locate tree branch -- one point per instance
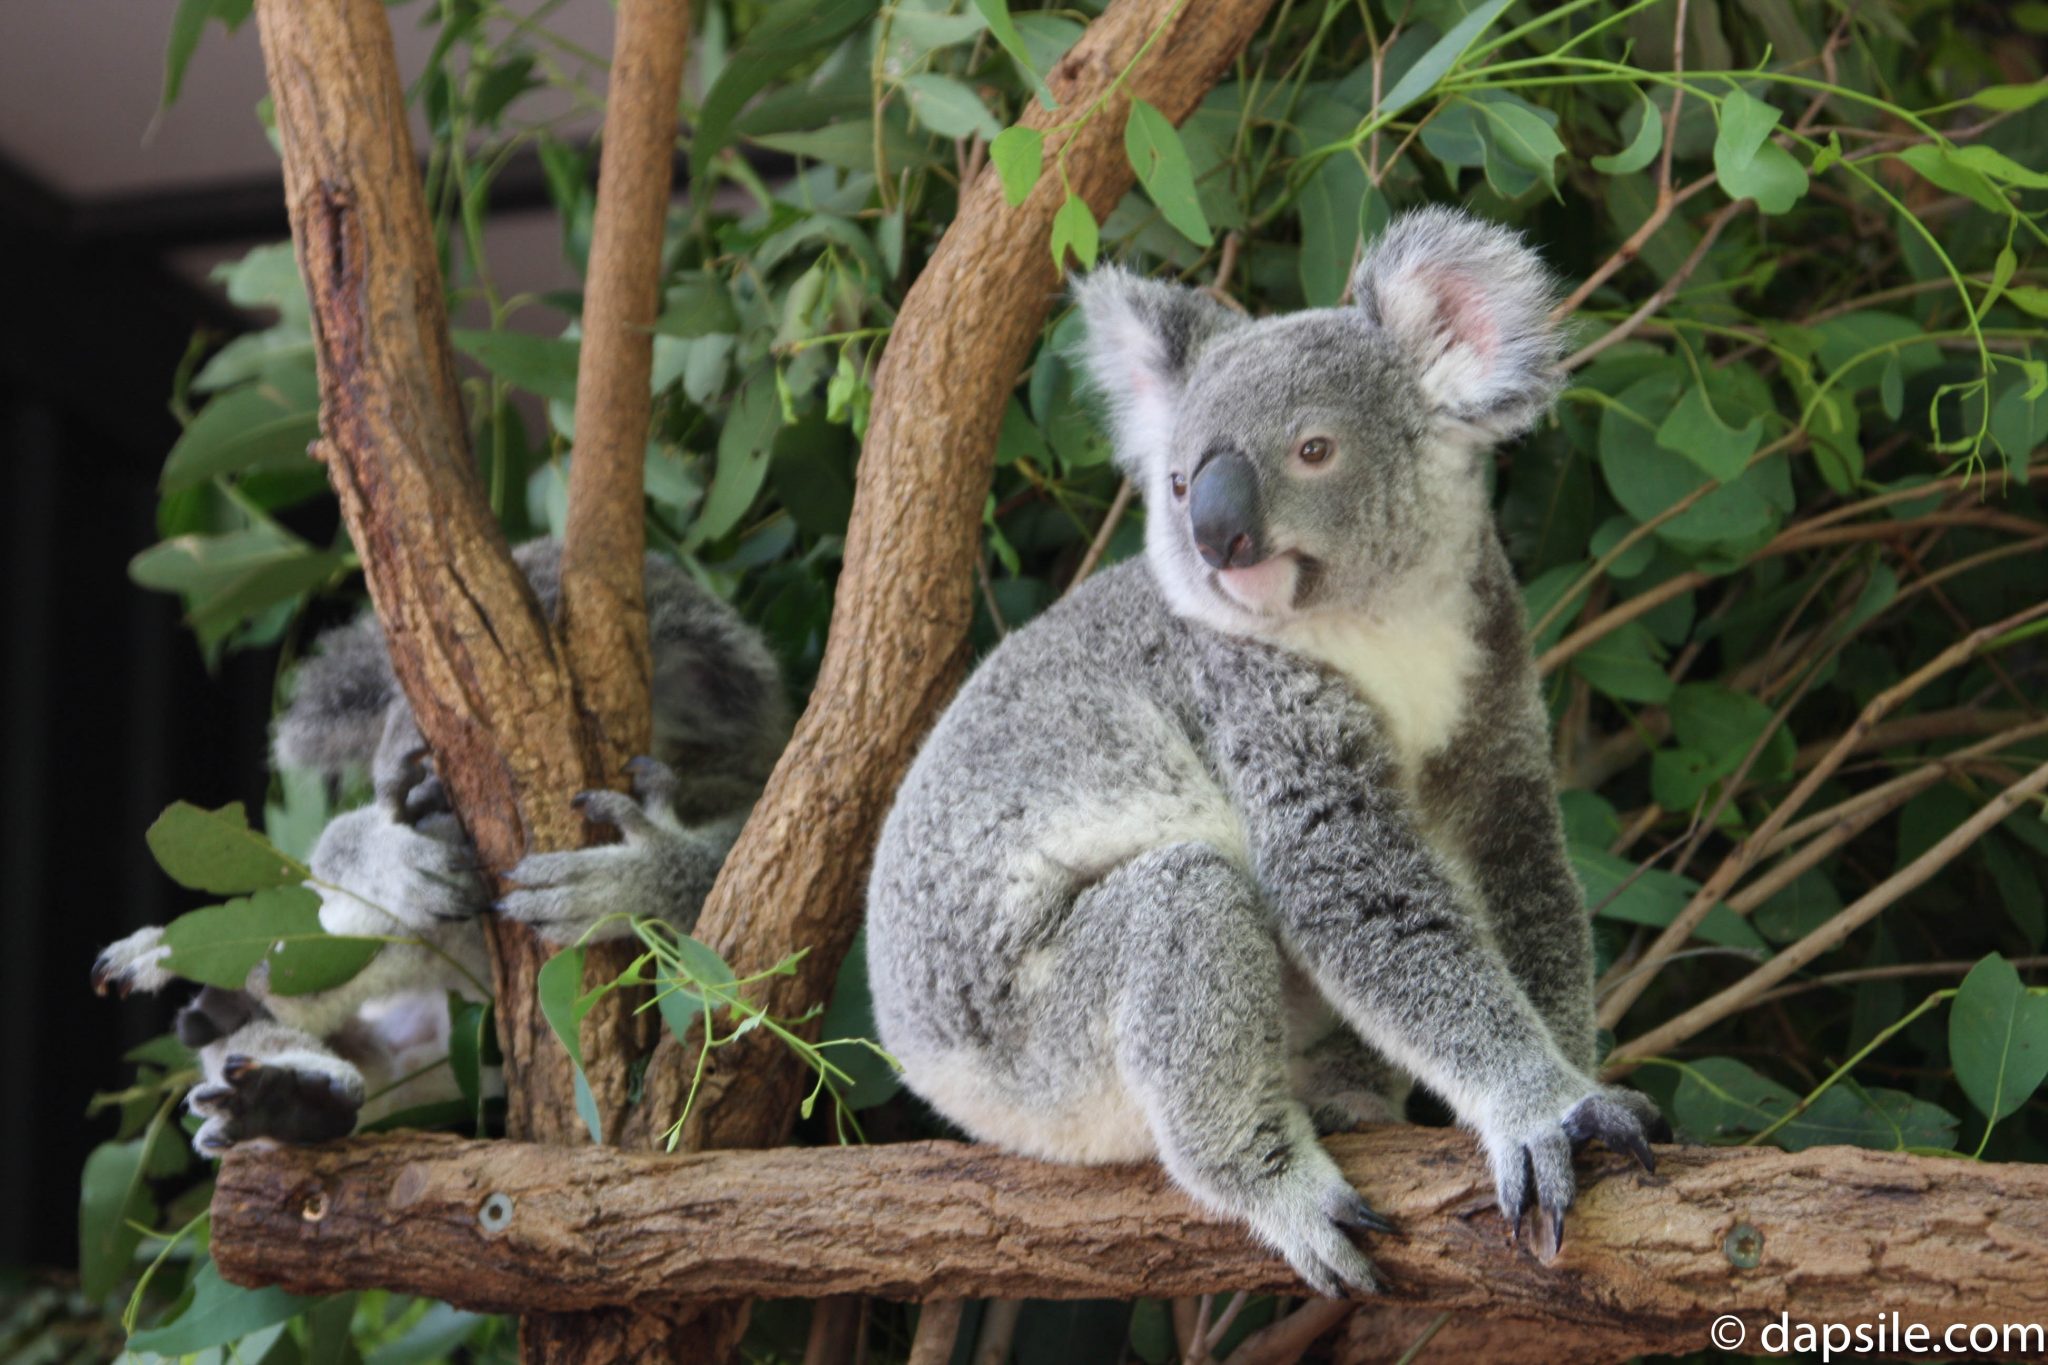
(1836, 1234)
(468, 642)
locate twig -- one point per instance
(1198, 1336)
(998, 1330)
(1630, 249)
(1745, 993)
(1287, 1340)
(1223, 1322)
(938, 1327)
(1897, 971)
(1925, 775)
(1622, 330)
(1416, 1347)
(1100, 545)
(1746, 853)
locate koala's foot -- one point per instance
(267, 1081)
(1346, 1084)
(213, 1014)
(1313, 1220)
(659, 869)
(1532, 1161)
(136, 963)
(1621, 1120)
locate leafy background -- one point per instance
(1783, 541)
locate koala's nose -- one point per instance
(1223, 508)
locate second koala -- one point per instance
(308, 1067)
(1234, 842)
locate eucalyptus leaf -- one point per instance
(1998, 1038)
(1161, 162)
(216, 851)
(218, 1314)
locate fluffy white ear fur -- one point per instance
(1142, 337)
(1471, 304)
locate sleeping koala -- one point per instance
(1234, 841)
(308, 1067)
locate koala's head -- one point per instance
(1314, 461)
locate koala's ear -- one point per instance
(1142, 340)
(1470, 304)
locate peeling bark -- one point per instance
(1827, 1235)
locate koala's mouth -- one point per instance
(1266, 588)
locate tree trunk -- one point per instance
(520, 716)
(1832, 1234)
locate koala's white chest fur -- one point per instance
(1413, 666)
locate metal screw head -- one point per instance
(1743, 1246)
(315, 1207)
(495, 1213)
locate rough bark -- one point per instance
(604, 612)
(471, 647)
(519, 715)
(1827, 1235)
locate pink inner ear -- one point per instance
(1462, 312)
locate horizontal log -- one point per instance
(1827, 1235)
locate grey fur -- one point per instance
(1191, 867)
(299, 1067)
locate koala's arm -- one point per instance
(1494, 792)
(1368, 908)
(720, 721)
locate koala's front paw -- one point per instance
(289, 1098)
(385, 866)
(136, 963)
(1532, 1161)
(566, 894)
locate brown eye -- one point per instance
(1314, 450)
(1180, 484)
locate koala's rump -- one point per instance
(1065, 756)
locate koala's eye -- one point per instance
(1180, 484)
(1314, 450)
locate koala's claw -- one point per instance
(136, 963)
(276, 1099)
(1617, 1122)
(607, 807)
(1534, 1175)
(1353, 1212)
(654, 782)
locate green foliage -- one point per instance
(1797, 460)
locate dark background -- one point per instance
(109, 712)
(114, 211)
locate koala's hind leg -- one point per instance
(268, 1080)
(1201, 1042)
(1344, 1082)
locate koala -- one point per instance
(309, 1067)
(1242, 838)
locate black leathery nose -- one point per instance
(1223, 509)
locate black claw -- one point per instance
(238, 1068)
(1556, 1217)
(1640, 1150)
(1354, 1212)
